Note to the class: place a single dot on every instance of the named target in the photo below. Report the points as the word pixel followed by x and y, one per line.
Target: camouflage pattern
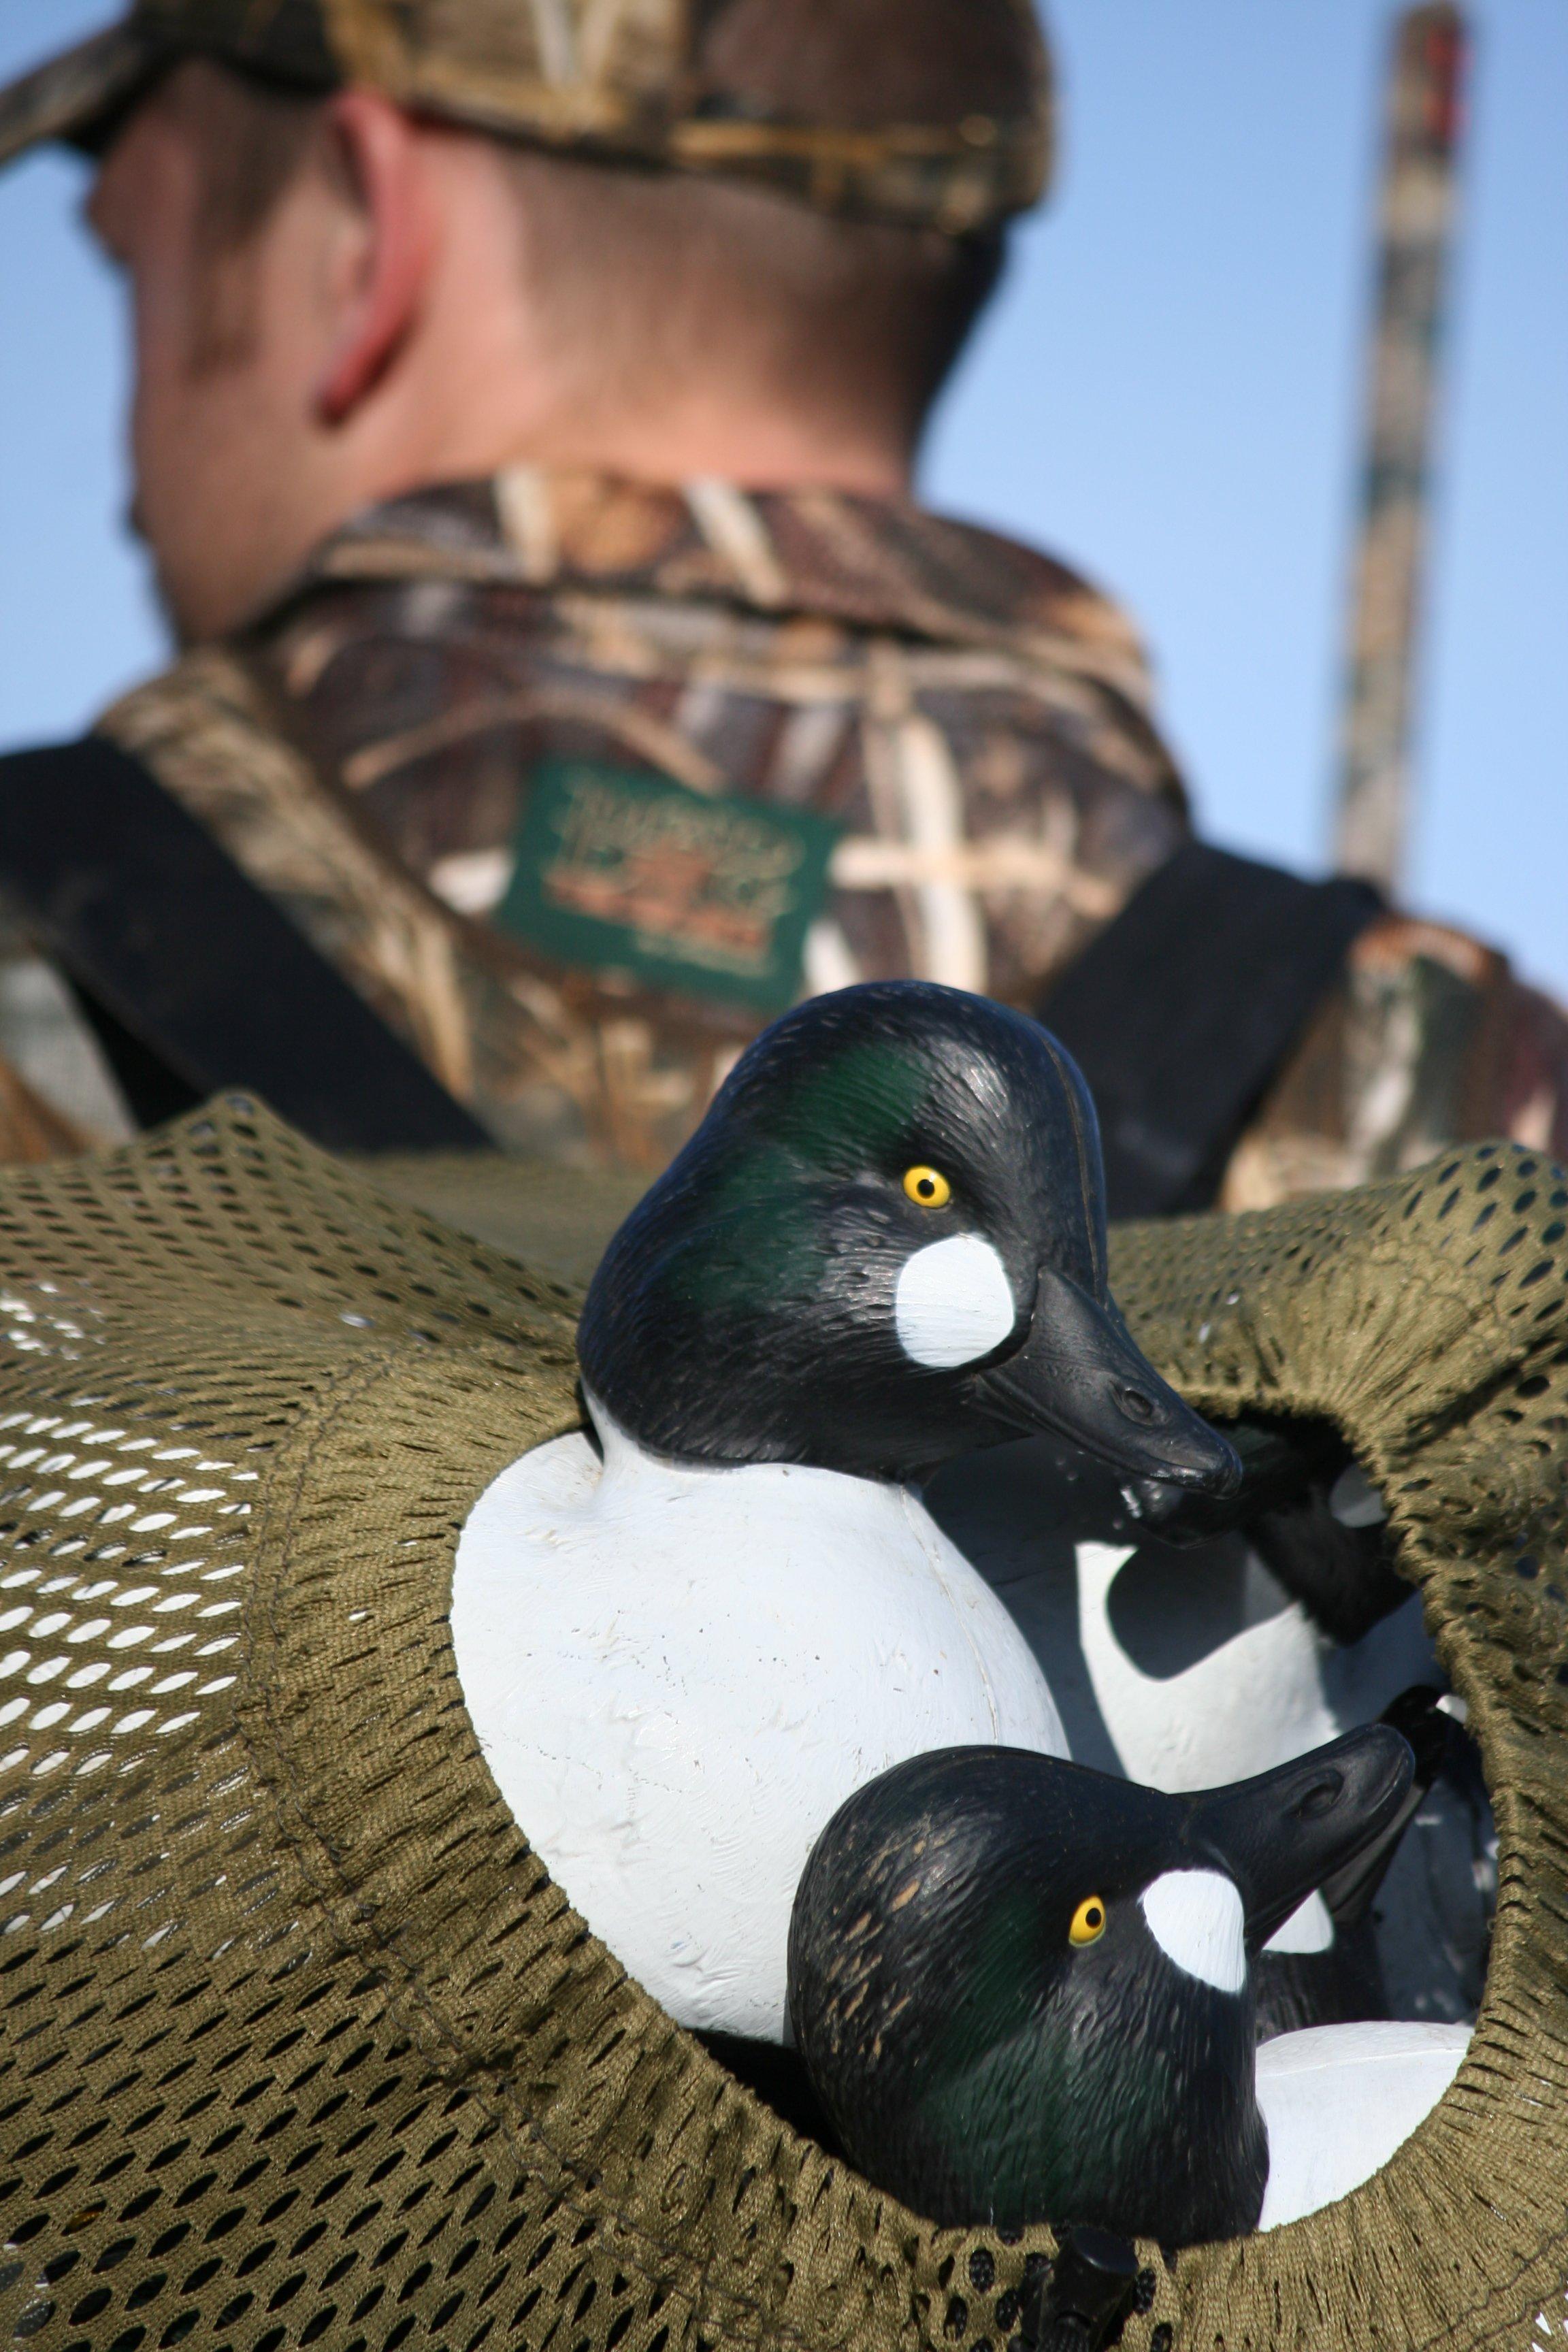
pixel 30 1127
pixel 57 1092
pixel 1427 1039
pixel 975 718
pixel 622 79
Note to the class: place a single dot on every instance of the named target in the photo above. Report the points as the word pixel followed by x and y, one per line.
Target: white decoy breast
pixel 1340 2100
pixel 677 1675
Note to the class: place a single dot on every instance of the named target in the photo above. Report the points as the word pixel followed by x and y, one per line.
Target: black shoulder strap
pixel 194 979
pixel 1182 1010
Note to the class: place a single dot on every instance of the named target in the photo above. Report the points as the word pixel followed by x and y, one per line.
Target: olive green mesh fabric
pixel 298 2043
pixel 558 1218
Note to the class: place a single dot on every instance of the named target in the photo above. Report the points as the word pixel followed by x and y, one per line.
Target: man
pixel 527 399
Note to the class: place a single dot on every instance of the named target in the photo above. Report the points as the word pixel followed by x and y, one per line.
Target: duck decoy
pixel 1023 1992
pixel 1276 1622
pixel 684 1638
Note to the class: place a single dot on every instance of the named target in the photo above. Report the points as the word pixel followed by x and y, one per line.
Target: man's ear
pixel 387 265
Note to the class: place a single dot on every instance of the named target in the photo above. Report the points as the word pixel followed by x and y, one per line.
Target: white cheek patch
pixel 953 1303
pixel 1195 1917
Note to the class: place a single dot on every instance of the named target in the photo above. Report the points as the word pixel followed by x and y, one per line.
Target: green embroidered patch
pixel 621 869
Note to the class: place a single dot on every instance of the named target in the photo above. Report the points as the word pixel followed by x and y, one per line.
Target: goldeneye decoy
pixel 682 1649
pixel 1023 1992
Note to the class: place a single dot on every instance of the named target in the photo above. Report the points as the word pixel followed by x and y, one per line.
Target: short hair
pixel 647 279
pixel 649 274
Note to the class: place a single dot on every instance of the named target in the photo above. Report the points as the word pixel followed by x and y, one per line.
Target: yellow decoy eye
pixel 1087 1921
pixel 927 1188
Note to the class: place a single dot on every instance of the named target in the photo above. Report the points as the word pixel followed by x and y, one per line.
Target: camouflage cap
pixel 617 79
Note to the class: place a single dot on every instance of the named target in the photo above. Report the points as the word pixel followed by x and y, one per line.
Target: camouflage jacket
pixel 703 678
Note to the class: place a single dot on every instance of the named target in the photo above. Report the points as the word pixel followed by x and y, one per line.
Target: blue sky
pixel 1167 394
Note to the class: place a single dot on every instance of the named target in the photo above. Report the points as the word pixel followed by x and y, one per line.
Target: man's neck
pixel 762 451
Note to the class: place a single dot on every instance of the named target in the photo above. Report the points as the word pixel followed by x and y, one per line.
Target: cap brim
pixel 74 95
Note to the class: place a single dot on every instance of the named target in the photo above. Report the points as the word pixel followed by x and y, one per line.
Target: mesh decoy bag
pixel 301 2044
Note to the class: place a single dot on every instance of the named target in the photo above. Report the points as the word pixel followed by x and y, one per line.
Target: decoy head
pixel 1023 1991
pixel 884 1246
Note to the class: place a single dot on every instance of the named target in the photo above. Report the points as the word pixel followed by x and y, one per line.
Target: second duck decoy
pixel 1023 1991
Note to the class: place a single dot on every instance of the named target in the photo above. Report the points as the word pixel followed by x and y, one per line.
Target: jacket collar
pixel 880 565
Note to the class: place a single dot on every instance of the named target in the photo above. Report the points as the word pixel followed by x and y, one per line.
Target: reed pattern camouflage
pixel 973 721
